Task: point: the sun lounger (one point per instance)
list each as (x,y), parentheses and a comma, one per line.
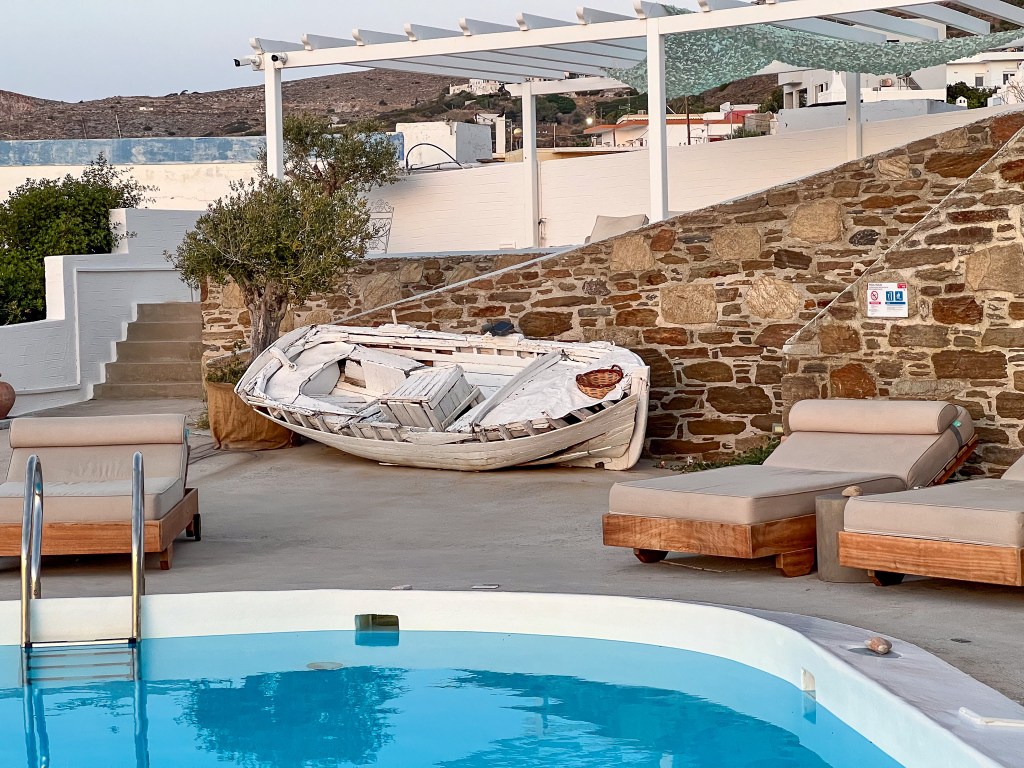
(971,531)
(87,484)
(612,226)
(759,511)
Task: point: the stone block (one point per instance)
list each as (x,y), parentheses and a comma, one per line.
(776,334)
(1008,338)
(682,447)
(544,325)
(663,241)
(961,236)
(379,289)
(999,268)
(1010,405)
(411,272)
(460,273)
(852,380)
(632,253)
(564,301)
(739,400)
(709,371)
(977,216)
(663,374)
(894,168)
(231,296)
(704,427)
(837,339)
(957,310)
(737,243)
(967,364)
(670,337)
(596,288)
(689,304)
(957,165)
(797,388)
(662,424)
(623,337)
(846,188)
(955,139)
(771,298)
(878,202)
(789,259)
(643,318)
(931,336)
(820,221)
(1012,171)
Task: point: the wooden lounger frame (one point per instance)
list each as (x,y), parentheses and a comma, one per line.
(105,538)
(792,540)
(888,558)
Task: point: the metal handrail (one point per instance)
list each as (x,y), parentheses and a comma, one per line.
(138,545)
(31,544)
(32,537)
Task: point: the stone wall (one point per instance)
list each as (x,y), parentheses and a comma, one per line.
(964,339)
(708,299)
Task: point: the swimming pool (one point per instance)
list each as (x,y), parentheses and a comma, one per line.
(470,680)
(452,699)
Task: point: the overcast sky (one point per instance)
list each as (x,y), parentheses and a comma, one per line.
(87,49)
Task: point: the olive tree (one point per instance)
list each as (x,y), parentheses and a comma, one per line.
(280,241)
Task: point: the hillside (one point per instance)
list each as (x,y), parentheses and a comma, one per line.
(391,96)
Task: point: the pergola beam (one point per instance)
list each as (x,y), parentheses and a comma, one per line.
(570,85)
(951,18)
(996,8)
(590,33)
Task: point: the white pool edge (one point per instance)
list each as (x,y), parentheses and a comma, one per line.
(907,704)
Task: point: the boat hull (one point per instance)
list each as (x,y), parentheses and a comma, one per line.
(606,438)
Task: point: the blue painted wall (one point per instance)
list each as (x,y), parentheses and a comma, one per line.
(141,151)
(132,151)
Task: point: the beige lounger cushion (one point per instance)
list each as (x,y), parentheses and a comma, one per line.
(974,512)
(917,459)
(873,417)
(741,495)
(97,501)
(98,430)
(611,226)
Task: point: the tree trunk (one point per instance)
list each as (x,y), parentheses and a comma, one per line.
(267,312)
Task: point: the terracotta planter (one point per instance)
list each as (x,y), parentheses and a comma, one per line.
(237,427)
(7,398)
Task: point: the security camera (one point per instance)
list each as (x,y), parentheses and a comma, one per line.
(281,57)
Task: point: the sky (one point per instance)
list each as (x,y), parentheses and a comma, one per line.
(74,50)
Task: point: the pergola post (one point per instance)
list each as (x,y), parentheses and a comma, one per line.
(854,126)
(531,181)
(657,116)
(275,120)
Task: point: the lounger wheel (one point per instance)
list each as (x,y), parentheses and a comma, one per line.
(650,555)
(885,578)
(195,528)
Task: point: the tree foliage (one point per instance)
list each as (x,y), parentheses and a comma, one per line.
(280,241)
(976,97)
(57,217)
(353,157)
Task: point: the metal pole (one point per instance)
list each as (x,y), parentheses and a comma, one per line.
(31,544)
(657,117)
(854,126)
(532,180)
(275,119)
(138,544)
(686,107)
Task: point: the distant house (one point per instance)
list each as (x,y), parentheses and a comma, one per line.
(630,131)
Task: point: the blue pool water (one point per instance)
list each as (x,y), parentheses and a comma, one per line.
(450,700)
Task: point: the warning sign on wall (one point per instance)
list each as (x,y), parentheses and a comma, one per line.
(888,300)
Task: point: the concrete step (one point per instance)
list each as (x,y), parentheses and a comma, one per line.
(170,312)
(153,373)
(159,351)
(190,330)
(189,390)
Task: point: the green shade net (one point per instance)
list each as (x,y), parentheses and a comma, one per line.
(697,61)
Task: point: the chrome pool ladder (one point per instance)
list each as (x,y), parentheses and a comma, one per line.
(31,555)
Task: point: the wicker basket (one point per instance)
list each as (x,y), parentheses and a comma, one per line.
(597,384)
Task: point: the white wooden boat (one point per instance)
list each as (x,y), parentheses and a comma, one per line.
(399,395)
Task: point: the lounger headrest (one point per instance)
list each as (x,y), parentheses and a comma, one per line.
(98,430)
(872,417)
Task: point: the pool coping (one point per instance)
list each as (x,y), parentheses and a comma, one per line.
(878,696)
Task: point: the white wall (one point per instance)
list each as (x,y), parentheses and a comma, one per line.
(89,302)
(790,120)
(483,208)
(466,142)
(180,186)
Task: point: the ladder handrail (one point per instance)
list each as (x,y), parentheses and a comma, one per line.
(31,544)
(138,544)
(32,538)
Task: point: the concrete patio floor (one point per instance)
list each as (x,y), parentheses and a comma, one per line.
(311,517)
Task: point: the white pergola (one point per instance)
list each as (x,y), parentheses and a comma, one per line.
(539,55)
